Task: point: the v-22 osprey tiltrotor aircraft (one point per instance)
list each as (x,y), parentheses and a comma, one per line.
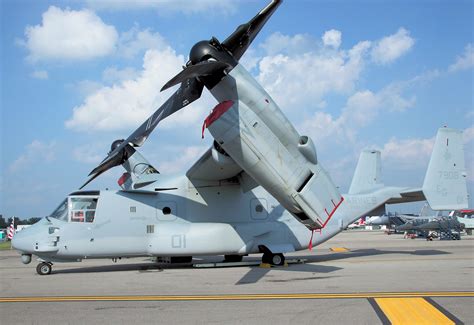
(260,188)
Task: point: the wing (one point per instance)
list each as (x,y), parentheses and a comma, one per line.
(213,168)
(208,169)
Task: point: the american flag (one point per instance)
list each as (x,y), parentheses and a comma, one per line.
(11,229)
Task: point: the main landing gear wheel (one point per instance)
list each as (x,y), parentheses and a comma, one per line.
(44,268)
(273,259)
(270,258)
(278,259)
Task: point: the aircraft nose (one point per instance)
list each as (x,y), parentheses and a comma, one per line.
(21,243)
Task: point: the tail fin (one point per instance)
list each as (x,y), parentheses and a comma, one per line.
(445,185)
(368,173)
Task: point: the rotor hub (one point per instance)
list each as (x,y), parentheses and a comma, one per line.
(202,51)
(116,144)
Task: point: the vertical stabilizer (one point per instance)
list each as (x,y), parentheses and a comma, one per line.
(445,185)
(368,173)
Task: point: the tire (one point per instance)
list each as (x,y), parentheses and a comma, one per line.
(278,259)
(44,268)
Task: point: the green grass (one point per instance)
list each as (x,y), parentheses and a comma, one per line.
(4,245)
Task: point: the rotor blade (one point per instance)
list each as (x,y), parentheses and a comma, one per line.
(205,68)
(91,179)
(110,161)
(189,91)
(239,41)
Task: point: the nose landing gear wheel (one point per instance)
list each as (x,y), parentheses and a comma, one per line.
(44,268)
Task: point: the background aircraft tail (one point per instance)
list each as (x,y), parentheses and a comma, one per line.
(445,186)
(368,173)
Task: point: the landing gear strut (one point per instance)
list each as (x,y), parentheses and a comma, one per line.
(271,258)
(44,268)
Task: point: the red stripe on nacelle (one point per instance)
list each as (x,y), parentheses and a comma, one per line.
(216,113)
(123,179)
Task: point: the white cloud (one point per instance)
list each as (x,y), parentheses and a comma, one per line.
(468,135)
(40,74)
(85,87)
(89,154)
(332,38)
(465,61)
(361,109)
(277,43)
(167,6)
(69,35)
(114,75)
(35,152)
(136,41)
(390,48)
(311,74)
(250,59)
(408,153)
(184,159)
(128,103)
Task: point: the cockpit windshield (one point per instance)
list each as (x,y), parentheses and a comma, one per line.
(76,209)
(61,211)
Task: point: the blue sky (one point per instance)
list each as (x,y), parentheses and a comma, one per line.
(77,75)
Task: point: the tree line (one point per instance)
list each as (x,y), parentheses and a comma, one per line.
(5,223)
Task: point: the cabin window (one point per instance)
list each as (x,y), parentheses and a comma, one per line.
(82,209)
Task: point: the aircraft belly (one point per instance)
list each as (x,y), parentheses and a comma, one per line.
(215,238)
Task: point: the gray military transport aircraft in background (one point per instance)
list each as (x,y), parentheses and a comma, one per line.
(260,188)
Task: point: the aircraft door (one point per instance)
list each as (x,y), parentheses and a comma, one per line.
(82,214)
(258,209)
(166,210)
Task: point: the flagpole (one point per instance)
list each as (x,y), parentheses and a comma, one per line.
(12,225)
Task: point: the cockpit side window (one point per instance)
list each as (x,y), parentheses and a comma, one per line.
(82,209)
(61,212)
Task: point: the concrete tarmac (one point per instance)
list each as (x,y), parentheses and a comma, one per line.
(379,279)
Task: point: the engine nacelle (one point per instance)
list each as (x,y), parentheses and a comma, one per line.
(253,131)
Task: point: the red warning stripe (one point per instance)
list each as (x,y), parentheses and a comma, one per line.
(330,214)
(333,210)
(123,179)
(217,112)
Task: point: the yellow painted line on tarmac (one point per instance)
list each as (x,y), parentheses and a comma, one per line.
(239,297)
(339,249)
(411,311)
